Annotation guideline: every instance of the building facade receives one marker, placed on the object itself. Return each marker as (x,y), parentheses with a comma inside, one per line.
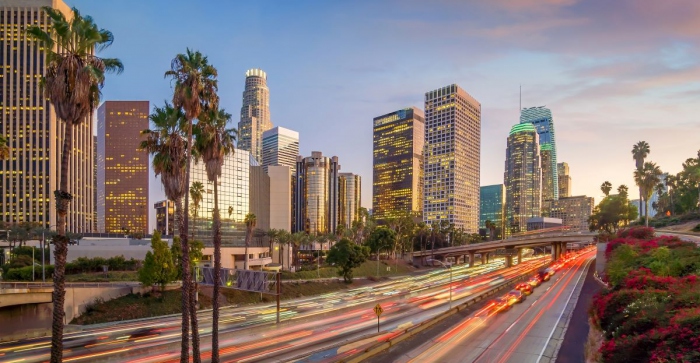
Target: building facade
(30,176)
(573,211)
(451,158)
(398,142)
(492,208)
(564,180)
(541,118)
(255,113)
(316,194)
(122,169)
(350,194)
(165,217)
(280,146)
(522,177)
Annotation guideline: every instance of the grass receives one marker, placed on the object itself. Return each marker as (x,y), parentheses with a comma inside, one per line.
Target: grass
(291,290)
(100,276)
(367,269)
(135,306)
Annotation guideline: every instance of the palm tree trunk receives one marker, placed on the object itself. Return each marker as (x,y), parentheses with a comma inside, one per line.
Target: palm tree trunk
(247,244)
(63,198)
(641,203)
(185,261)
(187,285)
(646,212)
(217,277)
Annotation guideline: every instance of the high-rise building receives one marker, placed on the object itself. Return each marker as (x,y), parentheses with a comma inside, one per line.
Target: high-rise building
(573,211)
(122,168)
(522,177)
(564,180)
(165,217)
(492,208)
(316,194)
(451,158)
(280,146)
(350,194)
(281,194)
(255,113)
(30,176)
(398,163)
(541,118)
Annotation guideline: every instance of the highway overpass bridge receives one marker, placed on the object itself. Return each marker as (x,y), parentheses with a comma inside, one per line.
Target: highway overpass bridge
(509,248)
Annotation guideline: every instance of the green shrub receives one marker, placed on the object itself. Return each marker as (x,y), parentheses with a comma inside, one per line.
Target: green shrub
(696,228)
(25,273)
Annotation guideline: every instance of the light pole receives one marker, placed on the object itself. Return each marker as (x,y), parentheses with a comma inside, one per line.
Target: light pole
(449,268)
(43,254)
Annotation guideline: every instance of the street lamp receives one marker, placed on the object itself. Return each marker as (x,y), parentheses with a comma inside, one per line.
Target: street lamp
(450,268)
(43,253)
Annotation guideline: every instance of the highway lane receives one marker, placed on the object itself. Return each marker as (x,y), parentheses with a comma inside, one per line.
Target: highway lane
(520,334)
(154,338)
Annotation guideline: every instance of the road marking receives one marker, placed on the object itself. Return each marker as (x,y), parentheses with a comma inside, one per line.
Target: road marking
(511,325)
(533,303)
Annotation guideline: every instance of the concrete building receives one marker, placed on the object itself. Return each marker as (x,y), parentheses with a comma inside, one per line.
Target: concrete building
(492,208)
(281,194)
(536,223)
(564,180)
(316,194)
(397,185)
(522,177)
(280,146)
(451,158)
(122,169)
(30,176)
(541,118)
(165,217)
(573,211)
(255,113)
(350,194)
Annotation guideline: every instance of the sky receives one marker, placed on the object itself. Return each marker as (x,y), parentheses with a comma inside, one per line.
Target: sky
(612,72)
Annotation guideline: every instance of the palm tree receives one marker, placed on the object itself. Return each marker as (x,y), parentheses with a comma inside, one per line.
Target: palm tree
(297,240)
(4,148)
(213,142)
(273,236)
(622,190)
(196,193)
(492,229)
(606,187)
(670,185)
(283,239)
(250,222)
(647,178)
(640,151)
(73,81)
(168,146)
(195,91)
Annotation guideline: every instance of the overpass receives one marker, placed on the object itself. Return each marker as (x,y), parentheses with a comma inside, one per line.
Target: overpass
(509,247)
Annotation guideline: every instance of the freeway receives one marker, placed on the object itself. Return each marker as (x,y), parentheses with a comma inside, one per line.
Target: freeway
(248,333)
(526,332)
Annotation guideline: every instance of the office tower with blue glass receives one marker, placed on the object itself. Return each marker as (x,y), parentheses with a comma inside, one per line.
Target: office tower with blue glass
(492,208)
(541,118)
(522,177)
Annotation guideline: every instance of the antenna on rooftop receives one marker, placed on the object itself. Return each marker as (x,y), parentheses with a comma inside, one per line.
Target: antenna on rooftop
(521,98)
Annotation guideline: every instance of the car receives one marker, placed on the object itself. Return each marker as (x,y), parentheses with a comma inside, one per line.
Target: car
(499,304)
(515,296)
(525,287)
(544,275)
(535,281)
(550,271)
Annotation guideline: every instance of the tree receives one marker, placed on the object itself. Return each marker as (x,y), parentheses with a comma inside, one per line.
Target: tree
(250,222)
(72,83)
(611,213)
(382,236)
(195,247)
(647,178)
(168,147)
(4,148)
(284,238)
(158,267)
(640,151)
(606,187)
(491,228)
(623,191)
(196,193)
(297,239)
(346,256)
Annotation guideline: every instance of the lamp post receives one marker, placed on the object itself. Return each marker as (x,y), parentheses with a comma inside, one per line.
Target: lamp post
(43,254)
(449,268)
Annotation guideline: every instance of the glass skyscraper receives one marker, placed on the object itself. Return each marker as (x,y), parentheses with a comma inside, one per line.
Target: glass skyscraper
(397,184)
(492,207)
(280,146)
(541,118)
(255,113)
(564,180)
(350,194)
(451,158)
(522,177)
(316,194)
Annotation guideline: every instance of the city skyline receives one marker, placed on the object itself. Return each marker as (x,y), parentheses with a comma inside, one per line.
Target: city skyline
(552,49)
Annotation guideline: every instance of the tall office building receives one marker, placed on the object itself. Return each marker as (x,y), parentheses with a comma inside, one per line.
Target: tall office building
(316,194)
(564,180)
(541,118)
(522,177)
(122,169)
(451,158)
(30,176)
(398,163)
(280,146)
(350,194)
(165,217)
(255,113)
(573,211)
(492,208)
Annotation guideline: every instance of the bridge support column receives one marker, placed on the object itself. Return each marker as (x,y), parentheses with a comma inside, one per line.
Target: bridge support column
(554,251)
(509,261)
(488,254)
(483,258)
(471,259)
(520,256)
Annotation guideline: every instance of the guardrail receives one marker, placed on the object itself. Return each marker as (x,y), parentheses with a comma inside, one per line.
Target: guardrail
(36,285)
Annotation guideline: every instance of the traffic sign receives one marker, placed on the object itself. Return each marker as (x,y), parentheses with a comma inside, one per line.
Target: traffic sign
(378,310)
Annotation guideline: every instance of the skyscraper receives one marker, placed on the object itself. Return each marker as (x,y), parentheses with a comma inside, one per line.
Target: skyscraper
(573,211)
(255,113)
(522,177)
(398,163)
(30,176)
(541,118)
(564,180)
(122,169)
(451,158)
(492,208)
(280,146)
(350,194)
(316,194)
(165,217)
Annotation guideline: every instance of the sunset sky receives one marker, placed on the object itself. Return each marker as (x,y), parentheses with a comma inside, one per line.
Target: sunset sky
(613,72)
